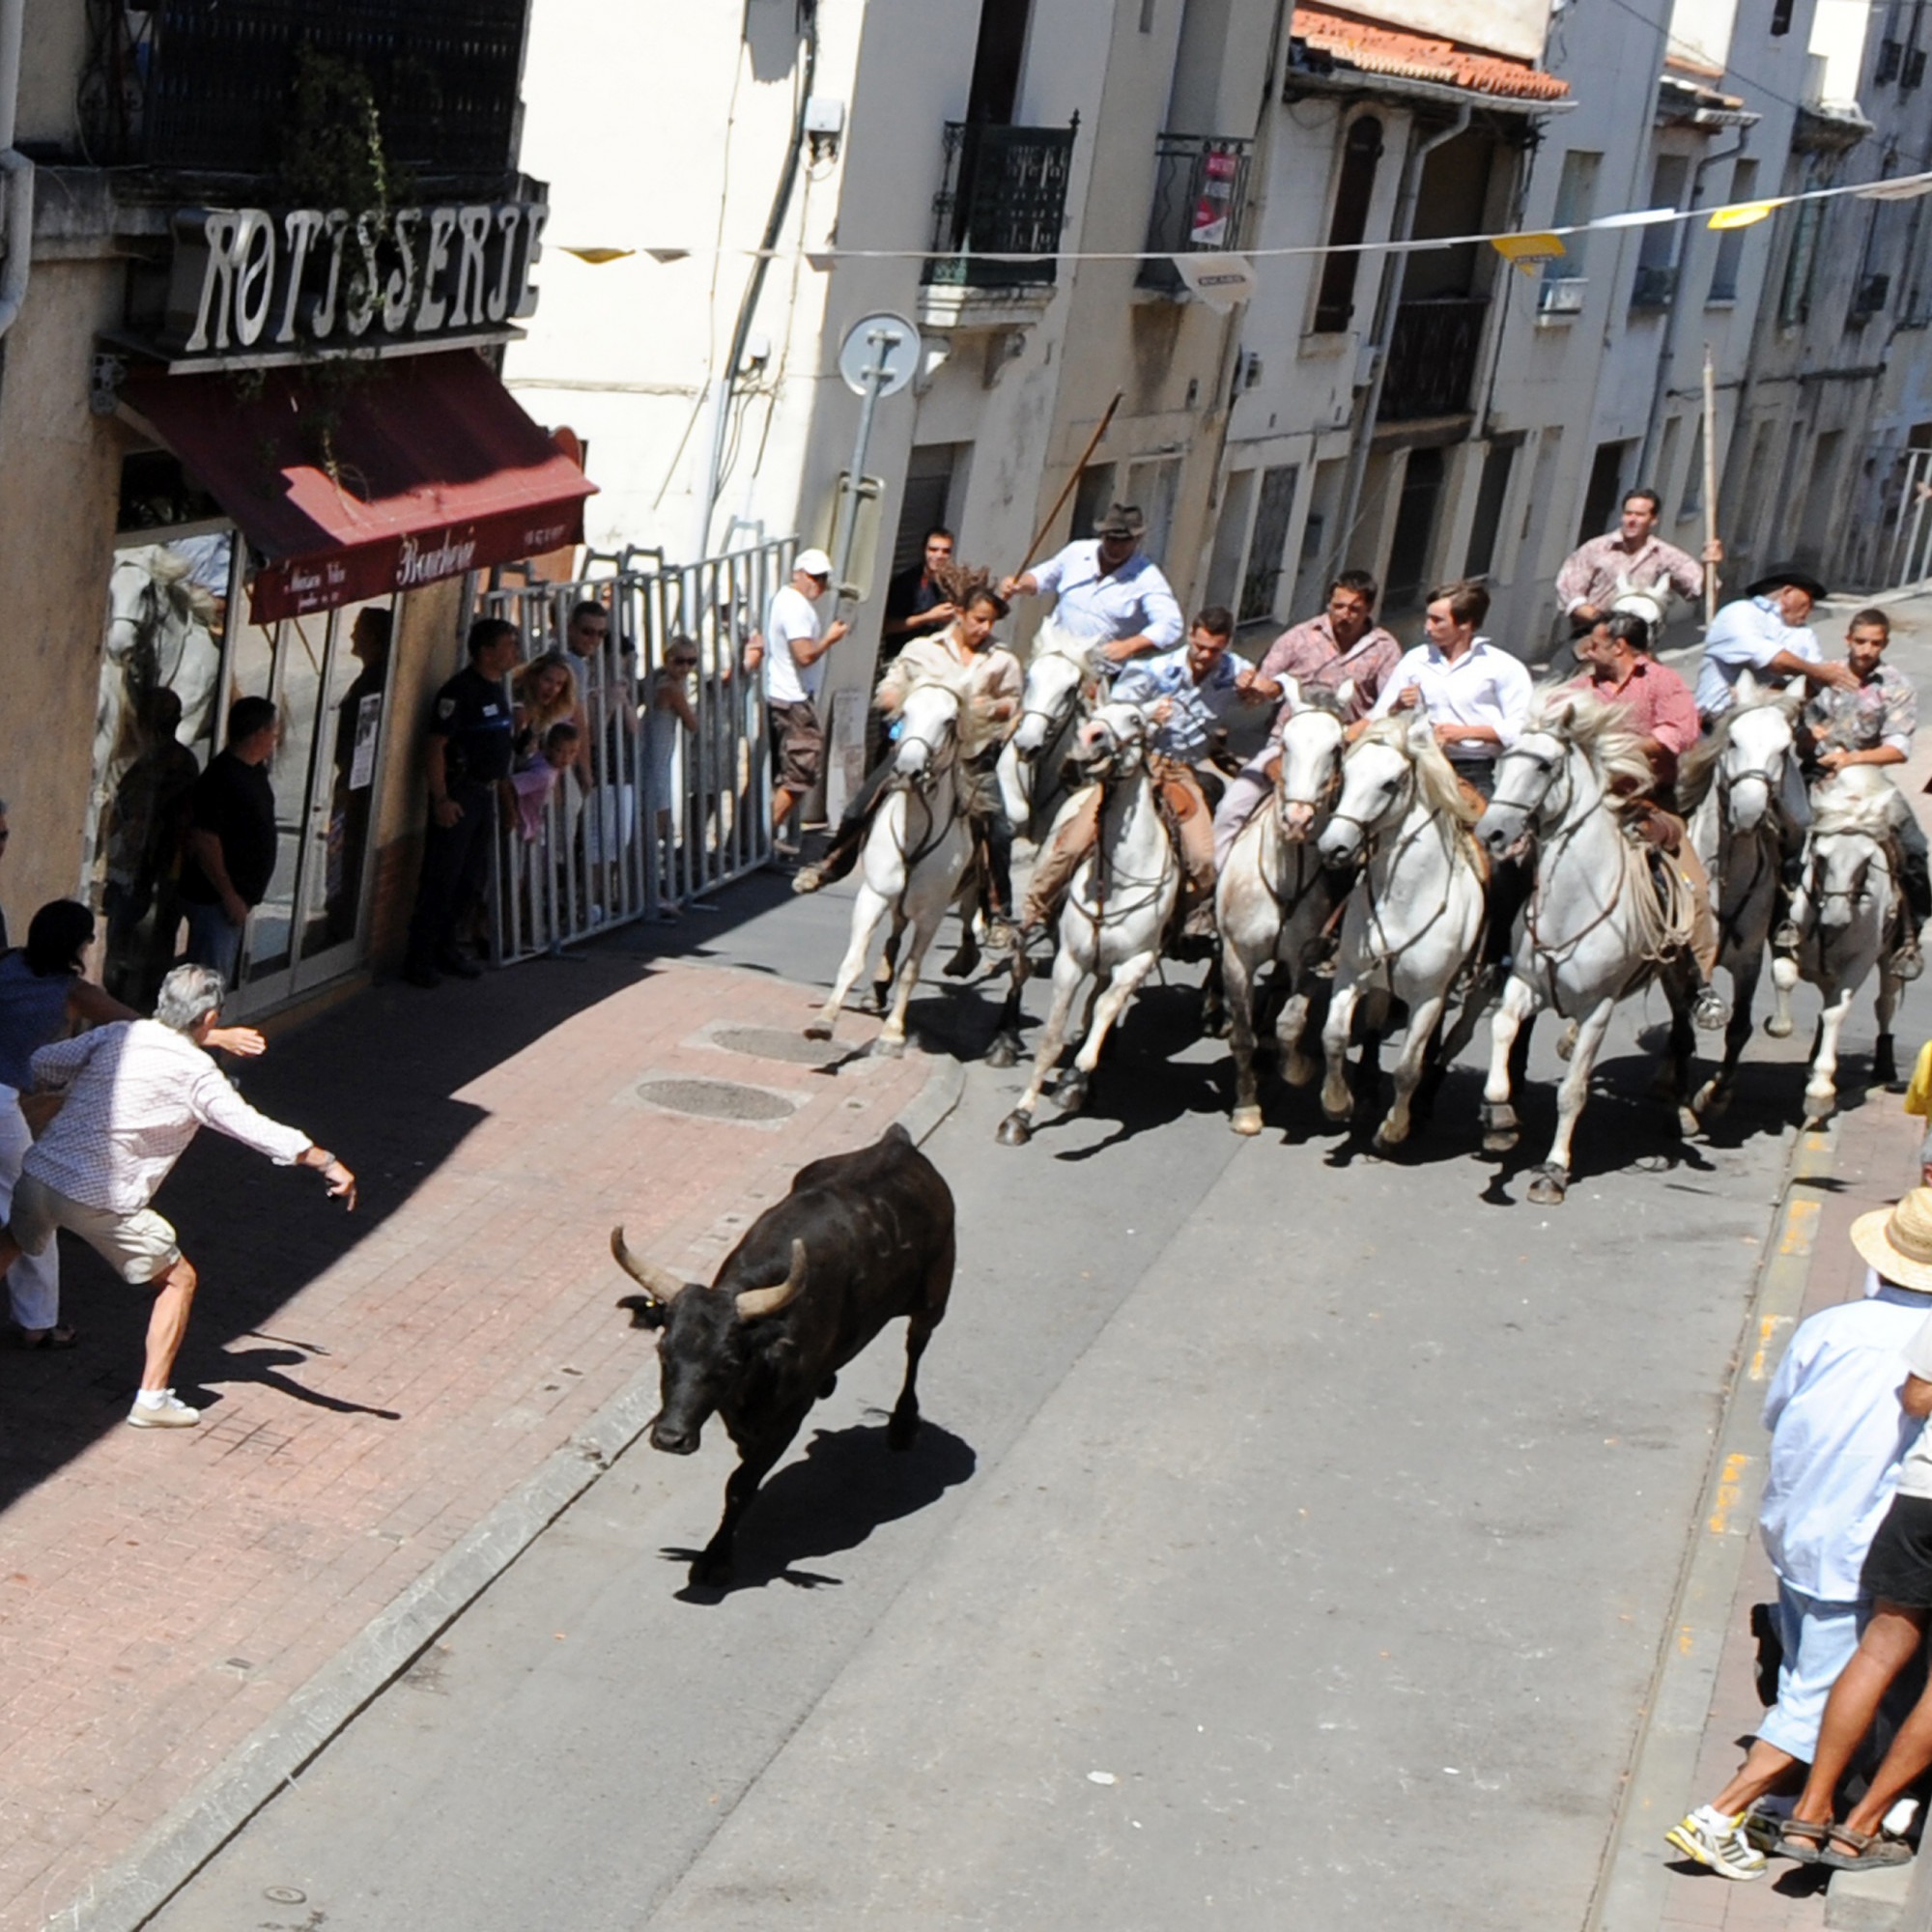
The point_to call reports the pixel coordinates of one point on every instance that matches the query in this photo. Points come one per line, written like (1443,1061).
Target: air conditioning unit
(1655,287)
(1561,297)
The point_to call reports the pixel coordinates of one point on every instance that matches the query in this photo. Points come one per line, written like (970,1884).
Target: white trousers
(33,1283)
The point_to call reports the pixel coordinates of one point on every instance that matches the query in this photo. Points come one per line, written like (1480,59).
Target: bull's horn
(754,1303)
(660,1284)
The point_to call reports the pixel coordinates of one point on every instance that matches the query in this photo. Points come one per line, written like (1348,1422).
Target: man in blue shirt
(1108,589)
(1187,694)
(1767,632)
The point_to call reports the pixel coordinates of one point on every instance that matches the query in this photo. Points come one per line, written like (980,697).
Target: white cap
(813,562)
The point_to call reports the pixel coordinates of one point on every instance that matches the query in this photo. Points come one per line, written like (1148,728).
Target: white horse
(1847,912)
(1274,896)
(1060,679)
(1413,926)
(1595,931)
(1118,907)
(917,850)
(1728,786)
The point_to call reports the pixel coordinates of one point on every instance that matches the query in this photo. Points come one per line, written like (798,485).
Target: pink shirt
(1591,576)
(1310,655)
(1655,701)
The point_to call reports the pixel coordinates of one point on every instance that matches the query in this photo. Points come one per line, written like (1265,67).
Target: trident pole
(877,372)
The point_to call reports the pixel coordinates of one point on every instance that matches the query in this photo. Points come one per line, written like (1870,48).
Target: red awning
(360,478)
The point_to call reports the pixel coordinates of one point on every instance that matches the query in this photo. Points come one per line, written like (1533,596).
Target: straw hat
(1897,1241)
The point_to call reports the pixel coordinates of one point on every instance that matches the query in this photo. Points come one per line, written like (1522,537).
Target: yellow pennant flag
(1739,215)
(1528,252)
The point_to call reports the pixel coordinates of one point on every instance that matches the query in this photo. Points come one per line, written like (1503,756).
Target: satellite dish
(875,339)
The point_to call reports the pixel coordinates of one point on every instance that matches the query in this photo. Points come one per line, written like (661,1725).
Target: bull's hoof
(1246,1120)
(1015,1130)
(1779,1026)
(819,1029)
(1005,1051)
(963,963)
(1549,1185)
(1070,1095)
(888,1046)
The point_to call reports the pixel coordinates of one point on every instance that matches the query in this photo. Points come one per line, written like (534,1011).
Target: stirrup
(1708,1010)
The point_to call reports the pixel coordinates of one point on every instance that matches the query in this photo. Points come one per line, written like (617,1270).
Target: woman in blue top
(42,998)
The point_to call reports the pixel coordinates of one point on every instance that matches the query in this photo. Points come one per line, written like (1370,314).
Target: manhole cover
(717,1099)
(775,1043)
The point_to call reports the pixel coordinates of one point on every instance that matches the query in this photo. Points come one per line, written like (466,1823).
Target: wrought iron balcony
(1655,285)
(1200,193)
(1002,191)
(205,86)
(1431,358)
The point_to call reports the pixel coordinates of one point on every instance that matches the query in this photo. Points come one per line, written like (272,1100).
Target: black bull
(860,1238)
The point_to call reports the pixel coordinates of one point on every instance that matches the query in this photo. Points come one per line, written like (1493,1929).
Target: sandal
(1871,1851)
(1804,1839)
(47,1338)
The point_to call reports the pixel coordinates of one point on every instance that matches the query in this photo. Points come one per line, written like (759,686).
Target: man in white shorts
(131,1096)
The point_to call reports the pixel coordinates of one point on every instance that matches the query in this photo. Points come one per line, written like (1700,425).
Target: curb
(1632,1881)
(131,1893)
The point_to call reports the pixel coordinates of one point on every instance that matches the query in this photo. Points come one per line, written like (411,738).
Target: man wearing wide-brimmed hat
(1109,589)
(1839,1439)
(1895,1579)
(1768,633)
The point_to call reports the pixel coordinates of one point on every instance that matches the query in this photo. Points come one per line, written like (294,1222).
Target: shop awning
(356,479)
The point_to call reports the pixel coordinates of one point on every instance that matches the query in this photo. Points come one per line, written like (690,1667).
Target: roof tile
(1407,56)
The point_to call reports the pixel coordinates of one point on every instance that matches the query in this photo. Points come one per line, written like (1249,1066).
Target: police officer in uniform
(469,752)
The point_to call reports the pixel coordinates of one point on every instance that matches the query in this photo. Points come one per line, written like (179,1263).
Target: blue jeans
(213,939)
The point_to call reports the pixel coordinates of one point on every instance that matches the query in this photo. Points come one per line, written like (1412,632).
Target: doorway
(1414,530)
(998,61)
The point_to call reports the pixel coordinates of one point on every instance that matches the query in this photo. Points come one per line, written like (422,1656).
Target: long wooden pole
(1710,484)
(1073,483)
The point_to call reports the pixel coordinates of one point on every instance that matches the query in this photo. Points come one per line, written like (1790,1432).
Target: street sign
(879,356)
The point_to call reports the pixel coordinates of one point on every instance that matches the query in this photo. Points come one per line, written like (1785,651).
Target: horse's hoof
(1003,1053)
(1502,1140)
(1246,1120)
(1548,1187)
(1688,1125)
(1566,1041)
(1390,1135)
(1711,1102)
(820,1029)
(1818,1109)
(1015,1130)
(1337,1102)
(886,1047)
(1885,1066)
(1070,1095)
(1777,1027)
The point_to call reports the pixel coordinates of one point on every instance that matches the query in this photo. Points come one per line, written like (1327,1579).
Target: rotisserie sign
(253,284)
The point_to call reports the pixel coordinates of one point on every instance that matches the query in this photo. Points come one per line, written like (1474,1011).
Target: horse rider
(1344,645)
(1657,705)
(1477,696)
(964,657)
(1632,557)
(1188,695)
(1768,633)
(1108,589)
(1873,723)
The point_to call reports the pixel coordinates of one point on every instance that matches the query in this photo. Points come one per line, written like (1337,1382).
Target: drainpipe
(1668,353)
(15,167)
(1388,300)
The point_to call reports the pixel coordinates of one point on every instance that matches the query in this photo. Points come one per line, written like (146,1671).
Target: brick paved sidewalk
(374,1383)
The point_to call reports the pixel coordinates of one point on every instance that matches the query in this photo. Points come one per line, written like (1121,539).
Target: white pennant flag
(1219,280)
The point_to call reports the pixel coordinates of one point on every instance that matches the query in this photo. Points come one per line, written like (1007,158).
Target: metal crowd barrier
(668,813)
(1891,549)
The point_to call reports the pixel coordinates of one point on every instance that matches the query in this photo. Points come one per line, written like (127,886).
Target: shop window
(1355,188)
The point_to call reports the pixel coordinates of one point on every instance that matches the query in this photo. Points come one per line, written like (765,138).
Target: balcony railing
(1002,192)
(199,87)
(1431,358)
(1655,285)
(1200,193)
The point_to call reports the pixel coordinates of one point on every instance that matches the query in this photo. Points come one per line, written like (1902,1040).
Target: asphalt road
(1290,1544)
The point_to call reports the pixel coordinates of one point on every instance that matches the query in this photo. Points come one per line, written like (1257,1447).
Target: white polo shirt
(1484,685)
(792,616)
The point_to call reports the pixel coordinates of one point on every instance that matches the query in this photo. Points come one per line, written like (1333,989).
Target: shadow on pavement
(847,1484)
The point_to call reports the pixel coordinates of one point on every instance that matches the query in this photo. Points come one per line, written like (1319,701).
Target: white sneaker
(1727,1851)
(170,1412)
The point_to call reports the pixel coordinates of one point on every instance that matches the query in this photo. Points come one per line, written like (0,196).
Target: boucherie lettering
(257,282)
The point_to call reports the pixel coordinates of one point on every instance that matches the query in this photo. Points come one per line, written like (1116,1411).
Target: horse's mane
(978,724)
(1054,640)
(1436,779)
(1858,799)
(1319,697)
(1597,730)
(1697,772)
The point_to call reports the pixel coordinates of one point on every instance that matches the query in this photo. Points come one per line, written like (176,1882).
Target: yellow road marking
(1800,1225)
(1728,1484)
(1767,1327)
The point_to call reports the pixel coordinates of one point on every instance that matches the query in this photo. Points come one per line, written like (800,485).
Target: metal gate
(1892,535)
(665,812)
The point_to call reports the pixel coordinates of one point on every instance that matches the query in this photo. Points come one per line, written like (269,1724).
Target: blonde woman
(545,693)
